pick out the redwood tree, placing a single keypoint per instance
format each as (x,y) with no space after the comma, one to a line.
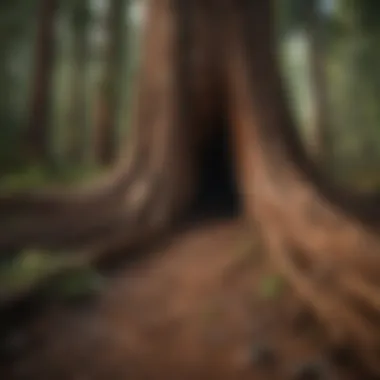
(323,241)
(110,89)
(150,185)
(321,136)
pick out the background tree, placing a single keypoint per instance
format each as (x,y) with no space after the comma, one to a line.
(308,22)
(111,87)
(79,15)
(347,60)
(37,132)
(16,37)
(306,222)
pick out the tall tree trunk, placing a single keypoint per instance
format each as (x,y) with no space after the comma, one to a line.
(78,136)
(152,183)
(324,241)
(321,135)
(37,140)
(111,86)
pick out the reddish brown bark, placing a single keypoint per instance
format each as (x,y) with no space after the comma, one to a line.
(323,243)
(321,136)
(146,189)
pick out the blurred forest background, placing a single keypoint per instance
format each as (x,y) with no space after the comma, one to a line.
(67,71)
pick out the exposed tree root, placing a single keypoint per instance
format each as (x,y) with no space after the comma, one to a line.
(326,244)
(201,308)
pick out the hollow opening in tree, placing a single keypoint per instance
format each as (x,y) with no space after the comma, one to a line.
(217,193)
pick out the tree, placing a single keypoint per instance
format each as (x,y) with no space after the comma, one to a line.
(322,241)
(357,55)
(15,41)
(37,135)
(111,86)
(315,233)
(309,19)
(314,31)
(78,105)
(144,174)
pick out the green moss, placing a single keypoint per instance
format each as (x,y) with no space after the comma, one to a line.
(29,268)
(26,269)
(37,176)
(29,178)
(271,286)
(79,282)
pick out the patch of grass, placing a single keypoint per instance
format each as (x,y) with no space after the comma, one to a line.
(27,268)
(30,267)
(79,282)
(36,176)
(29,178)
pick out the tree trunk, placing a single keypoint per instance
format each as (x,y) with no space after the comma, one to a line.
(321,241)
(151,184)
(78,128)
(324,241)
(321,135)
(111,85)
(36,138)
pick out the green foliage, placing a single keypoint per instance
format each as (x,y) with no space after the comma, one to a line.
(31,267)
(78,283)
(350,55)
(41,175)
(26,269)
(365,13)
(32,177)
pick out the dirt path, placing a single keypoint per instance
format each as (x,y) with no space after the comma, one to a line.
(206,306)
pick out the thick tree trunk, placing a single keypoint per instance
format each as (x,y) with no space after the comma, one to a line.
(109,92)
(321,136)
(78,128)
(324,241)
(151,184)
(36,137)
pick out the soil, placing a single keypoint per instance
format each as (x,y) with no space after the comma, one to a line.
(206,305)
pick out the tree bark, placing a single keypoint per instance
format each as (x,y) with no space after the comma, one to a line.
(78,128)
(151,184)
(109,92)
(36,138)
(324,241)
(321,136)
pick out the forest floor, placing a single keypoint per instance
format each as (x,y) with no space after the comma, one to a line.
(30,266)
(207,304)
